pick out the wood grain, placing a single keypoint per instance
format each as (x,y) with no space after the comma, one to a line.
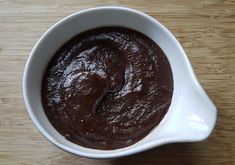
(206,30)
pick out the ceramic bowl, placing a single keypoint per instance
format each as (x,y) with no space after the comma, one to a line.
(191,116)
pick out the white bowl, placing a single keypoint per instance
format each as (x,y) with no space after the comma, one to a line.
(191,116)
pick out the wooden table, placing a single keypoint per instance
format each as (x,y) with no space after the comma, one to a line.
(206,30)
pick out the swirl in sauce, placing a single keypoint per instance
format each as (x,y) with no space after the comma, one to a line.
(107,88)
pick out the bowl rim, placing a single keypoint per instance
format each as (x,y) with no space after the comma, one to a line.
(108,154)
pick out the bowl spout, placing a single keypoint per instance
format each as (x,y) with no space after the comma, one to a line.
(194,116)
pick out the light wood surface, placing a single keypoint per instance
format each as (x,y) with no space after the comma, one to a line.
(206,30)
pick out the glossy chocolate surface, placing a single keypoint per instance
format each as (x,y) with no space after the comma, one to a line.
(107,88)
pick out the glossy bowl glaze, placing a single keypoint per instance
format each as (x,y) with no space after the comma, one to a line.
(191,116)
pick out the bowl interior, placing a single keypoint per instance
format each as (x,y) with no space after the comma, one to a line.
(64,30)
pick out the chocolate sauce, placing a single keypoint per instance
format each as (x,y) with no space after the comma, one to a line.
(107,88)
